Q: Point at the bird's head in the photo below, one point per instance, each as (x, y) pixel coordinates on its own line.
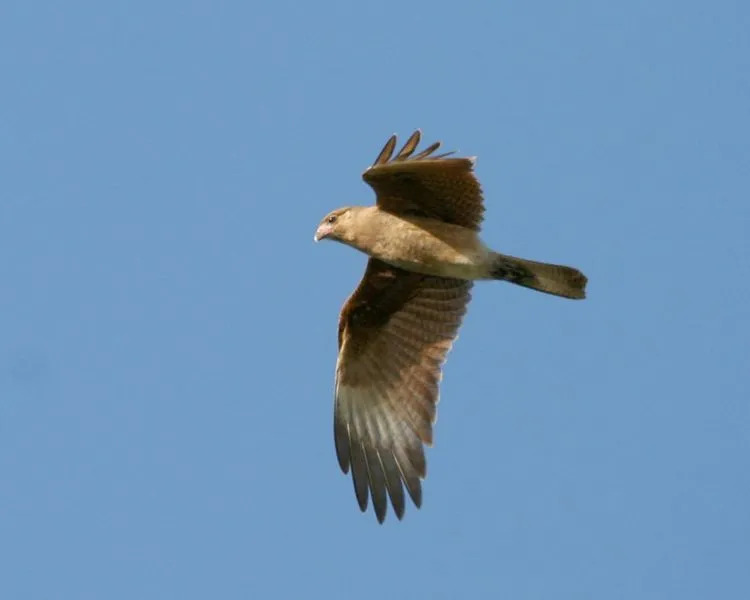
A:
(334, 224)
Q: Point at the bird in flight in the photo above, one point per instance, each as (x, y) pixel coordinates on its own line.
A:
(422, 237)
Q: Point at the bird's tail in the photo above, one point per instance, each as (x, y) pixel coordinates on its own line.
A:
(551, 279)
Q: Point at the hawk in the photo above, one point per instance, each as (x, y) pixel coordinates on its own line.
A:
(395, 330)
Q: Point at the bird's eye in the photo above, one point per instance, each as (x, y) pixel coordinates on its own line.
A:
(331, 219)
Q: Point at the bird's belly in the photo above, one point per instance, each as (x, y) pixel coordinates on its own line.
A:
(431, 255)
(453, 270)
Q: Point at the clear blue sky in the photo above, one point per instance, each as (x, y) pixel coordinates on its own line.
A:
(168, 326)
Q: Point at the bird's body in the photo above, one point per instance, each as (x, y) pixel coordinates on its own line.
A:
(422, 237)
(420, 244)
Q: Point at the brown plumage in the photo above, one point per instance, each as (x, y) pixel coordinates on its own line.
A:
(399, 324)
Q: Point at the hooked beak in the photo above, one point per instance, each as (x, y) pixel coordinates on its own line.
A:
(324, 230)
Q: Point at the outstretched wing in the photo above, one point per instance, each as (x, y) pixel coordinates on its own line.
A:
(394, 333)
(436, 186)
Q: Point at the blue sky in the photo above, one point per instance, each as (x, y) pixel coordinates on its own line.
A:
(168, 326)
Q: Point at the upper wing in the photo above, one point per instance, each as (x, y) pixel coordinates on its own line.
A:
(434, 186)
(394, 334)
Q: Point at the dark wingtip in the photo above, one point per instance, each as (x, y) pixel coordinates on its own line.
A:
(362, 499)
(410, 145)
(380, 515)
(386, 152)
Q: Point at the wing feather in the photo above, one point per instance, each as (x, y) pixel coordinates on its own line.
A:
(394, 334)
(359, 468)
(393, 481)
(427, 151)
(386, 152)
(425, 183)
(409, 146)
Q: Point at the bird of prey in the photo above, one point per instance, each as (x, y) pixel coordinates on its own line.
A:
(422, 237)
